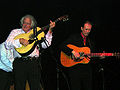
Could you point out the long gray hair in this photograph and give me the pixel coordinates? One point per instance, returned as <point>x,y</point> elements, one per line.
<point>33,21</point>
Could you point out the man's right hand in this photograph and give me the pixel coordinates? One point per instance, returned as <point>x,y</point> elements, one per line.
<point>23,41</point>
<point>76,55</point>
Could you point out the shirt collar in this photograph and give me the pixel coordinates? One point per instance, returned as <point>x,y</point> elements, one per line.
<point>83,36</point>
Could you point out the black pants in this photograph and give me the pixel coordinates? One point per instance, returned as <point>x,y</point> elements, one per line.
<point>26,69</point>
<point>5,80</point>
<point>80,77</point>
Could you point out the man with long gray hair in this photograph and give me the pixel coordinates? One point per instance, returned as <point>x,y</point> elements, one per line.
<point>28,41</point>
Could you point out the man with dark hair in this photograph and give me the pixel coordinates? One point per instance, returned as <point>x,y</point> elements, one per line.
<point>73,57</point>
<point>26,66</point>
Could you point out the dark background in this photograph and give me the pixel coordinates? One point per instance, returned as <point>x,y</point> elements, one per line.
<point>103,13</point>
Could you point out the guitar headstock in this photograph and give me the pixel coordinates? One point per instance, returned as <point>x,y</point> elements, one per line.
<point>63,18</point>
<point>117,55</point>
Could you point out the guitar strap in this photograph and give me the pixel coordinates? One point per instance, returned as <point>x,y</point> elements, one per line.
<point>44,40</point>
<point>35,32</point>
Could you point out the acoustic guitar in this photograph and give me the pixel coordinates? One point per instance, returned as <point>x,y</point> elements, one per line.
<point>68,61</point>
<point>26,50</point>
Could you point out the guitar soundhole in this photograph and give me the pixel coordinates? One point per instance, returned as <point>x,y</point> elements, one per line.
<point>78,59</point>
<point>31,36</point>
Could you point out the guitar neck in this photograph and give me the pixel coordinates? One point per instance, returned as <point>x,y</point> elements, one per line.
<point>99,54</point>
<point>63,18</point>
<point>47,26</point>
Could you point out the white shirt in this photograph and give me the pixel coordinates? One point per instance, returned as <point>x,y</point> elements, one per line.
<point>10,43</point>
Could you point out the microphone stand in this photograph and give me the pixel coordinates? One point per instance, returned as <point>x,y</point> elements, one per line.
<point>58,68</point>
<point>40,51</point>
<point>102,73</point>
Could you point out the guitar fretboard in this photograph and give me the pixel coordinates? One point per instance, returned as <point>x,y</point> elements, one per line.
<point>99,54</point>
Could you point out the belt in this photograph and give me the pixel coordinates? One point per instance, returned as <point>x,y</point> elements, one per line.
<point>29,58</point>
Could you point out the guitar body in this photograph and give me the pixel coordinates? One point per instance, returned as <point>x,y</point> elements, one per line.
<point>28,36</point>
<point>67,61</point>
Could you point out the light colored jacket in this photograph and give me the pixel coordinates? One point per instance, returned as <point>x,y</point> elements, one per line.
<point>7,58</point>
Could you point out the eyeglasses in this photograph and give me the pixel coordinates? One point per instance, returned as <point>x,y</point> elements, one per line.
<point>26,23</point>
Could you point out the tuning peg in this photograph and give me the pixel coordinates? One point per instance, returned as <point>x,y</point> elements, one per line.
<point>66,19</point>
